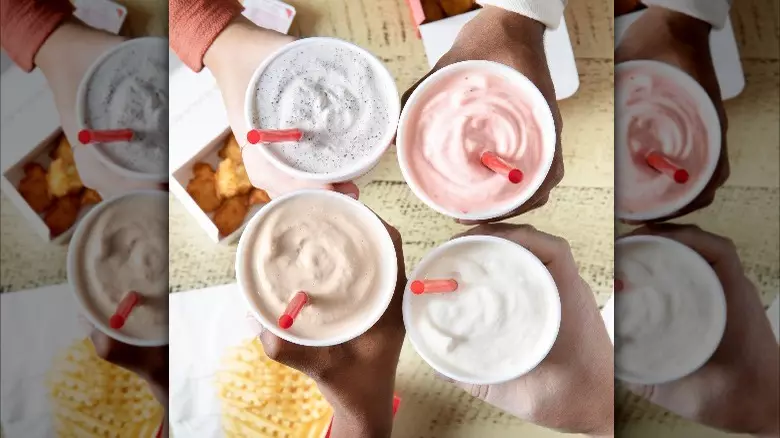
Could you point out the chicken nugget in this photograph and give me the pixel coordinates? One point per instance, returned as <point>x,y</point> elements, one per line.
<point>232,179</point>
<point>90,197</point>
<point>63,150</point>
<point>34,188</point>
<point>231,150</point>
<point>231,214</point>
<point>432,10</point>
<point>456,7</point>
<point>258,197</point>
<point>202,170</point>
<point>62,215</point>
<point>63,178</point>
<point>204,192</point>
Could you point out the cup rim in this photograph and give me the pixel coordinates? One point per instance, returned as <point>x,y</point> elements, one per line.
<point>719,298</point>
<point>541,110</point>
<point>362,166</point>
<point>81,95</point>
<point>710,117</point>
<point>416,340</point>
<point>72,272</point>
<point>390,268</point>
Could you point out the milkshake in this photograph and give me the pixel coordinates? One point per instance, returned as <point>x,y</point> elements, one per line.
<point>461,112</point>
<point>670,313</point>
<point>127,88</point>
<point>328,246</point>
<point>498,324</point>
<point>121,248</point>
<point>342,99</point>
<point>664,112</point>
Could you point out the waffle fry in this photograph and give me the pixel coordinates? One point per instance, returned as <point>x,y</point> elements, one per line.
<point>262,398</point>
<point>93,398</point>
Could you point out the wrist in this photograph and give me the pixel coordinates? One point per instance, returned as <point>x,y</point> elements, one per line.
<point>352,423</point>
<point>683,27</point>
<point>513,25</point>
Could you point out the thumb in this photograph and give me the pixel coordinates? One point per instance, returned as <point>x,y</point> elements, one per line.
<point>348,188</point>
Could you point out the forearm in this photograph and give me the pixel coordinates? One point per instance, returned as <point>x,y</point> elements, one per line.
<point>348,425</point>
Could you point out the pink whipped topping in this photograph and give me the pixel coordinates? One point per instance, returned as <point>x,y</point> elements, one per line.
<point>459,117</point>
<point>655,113</point>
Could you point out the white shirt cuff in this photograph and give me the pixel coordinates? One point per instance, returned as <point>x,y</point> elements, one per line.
<point>714,12</point>
<point>548,12</point>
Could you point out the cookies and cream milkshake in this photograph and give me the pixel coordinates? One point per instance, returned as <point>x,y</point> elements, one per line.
<point>341,98</point>
<point>128,89</point>
<point>325,244</point>
<point>661,110</point>
<point>122,246</point>
<point>459,113</point>
<point>500,322</point>
<point>670,314</point>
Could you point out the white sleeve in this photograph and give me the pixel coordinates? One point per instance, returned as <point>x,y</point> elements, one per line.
<point>714,12</point>
<point>548,12</point>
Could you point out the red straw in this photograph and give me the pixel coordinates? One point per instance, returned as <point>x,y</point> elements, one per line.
<point>87,136</point>
<point>619,285</point>
<point>123,310</point>
<point>293,309</point>
<point>273,136</point>
<point>663,165</point>
<point>501,167</point>
<point>419,287</point>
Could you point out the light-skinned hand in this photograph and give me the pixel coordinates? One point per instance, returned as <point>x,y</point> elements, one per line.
<point>233,58</point>
<point>572,389</point>
<point>737,389</point>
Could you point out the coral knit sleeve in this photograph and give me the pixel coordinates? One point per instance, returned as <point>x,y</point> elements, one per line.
<point>195,24</point>
<point>26,24</point>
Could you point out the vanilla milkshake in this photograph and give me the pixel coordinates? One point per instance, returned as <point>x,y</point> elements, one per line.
<point>661,110</point>
<point>498,324</point>
<point>670,314</point>
<point>127,88</point>
<point>342,99</point>
<point>121,246</point>
<point>327,245</point>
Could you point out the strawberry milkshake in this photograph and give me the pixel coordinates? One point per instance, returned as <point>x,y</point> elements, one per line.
<point>328,246</point>
<point>456,116</point>
<point>664,115</point>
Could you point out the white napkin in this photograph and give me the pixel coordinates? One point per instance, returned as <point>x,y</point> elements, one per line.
<point>203,324</point>
<point>35,326</point>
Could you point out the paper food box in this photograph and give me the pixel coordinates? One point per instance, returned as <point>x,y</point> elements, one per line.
<point>723,46</point>
<point>31,133</point>
<point>199,128</point>
<point>438,23</point>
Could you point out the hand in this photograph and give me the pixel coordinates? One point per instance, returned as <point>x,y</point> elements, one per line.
<point>737,389</point>
<point>572,389</point>
<point>357,377</point>
<point>683,42</point>
<point>64,60</point>
<point>149,363</point>
<point>518,42</point>
<point>232,59</point>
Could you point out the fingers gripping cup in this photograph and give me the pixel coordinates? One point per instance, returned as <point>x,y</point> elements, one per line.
<point>322,109</point>
<point>668,140</point>
<point>317,268</point>
<point>476,140</point>
<point>482,310</point>
<point>118,267</point>
<point>671,310</point>
<point>122,109</point>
